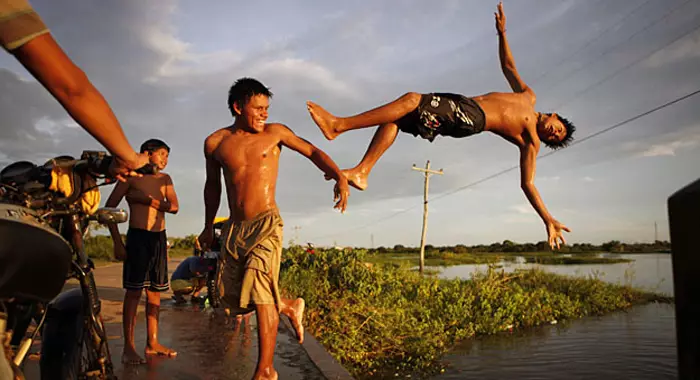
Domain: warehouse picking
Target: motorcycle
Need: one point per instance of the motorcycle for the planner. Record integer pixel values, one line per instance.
(41, 247)
(212, 258)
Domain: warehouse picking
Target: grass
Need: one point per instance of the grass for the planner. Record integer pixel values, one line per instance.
(383, 321)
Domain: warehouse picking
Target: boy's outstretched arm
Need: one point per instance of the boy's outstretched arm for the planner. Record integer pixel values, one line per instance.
(212, 193)
(320, 159)
(528, 157)
(506, 57)
(114, 199)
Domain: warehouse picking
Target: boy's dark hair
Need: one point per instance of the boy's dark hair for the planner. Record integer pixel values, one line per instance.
(243, 89)
(152, 145)
(570, 129)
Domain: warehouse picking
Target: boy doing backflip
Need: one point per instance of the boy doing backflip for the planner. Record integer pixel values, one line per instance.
(511, 116)
(145, 254)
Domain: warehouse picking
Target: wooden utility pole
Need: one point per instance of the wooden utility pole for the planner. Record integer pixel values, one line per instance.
(426, 172)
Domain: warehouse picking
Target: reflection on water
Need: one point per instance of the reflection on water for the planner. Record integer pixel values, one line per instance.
(637, 344)
(647, 271)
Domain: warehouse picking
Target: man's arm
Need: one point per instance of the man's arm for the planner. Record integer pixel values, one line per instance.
(320, 159)
(528, 158)
(506, 57)
(113, 201)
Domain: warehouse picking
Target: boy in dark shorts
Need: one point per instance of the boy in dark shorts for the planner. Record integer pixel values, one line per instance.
(145, 254)
(511, 116)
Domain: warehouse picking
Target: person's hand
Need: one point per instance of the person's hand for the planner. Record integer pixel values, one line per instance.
(121, 169)
(119, 252)
(206, 238)
(554, 233)
(341, 192)
(500, 19)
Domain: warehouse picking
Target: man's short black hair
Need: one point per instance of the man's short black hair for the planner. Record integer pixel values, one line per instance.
(568, 138)
(152, 145)
(243, 90)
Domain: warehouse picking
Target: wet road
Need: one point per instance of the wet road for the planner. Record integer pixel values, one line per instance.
(209, 346)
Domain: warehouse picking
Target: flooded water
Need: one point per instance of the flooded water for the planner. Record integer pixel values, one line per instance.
(637, 344)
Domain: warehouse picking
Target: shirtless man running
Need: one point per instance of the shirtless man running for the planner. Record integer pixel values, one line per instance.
(248, 154)
(509, 115)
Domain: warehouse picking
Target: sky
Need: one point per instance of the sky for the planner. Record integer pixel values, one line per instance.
(165, 68)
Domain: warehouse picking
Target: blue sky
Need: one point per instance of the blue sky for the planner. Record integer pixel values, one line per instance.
(165, 68)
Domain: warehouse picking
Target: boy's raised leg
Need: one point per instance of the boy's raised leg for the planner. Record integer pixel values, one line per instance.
(131, 303)
(153, 347)
(332, 126)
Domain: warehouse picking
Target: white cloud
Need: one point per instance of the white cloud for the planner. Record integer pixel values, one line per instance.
(523, 208)
(684, 49)
(668, 149)
(588, 179)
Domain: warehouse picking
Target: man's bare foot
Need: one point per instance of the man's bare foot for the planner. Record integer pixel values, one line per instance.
(297, 318)
(327, 122)
(356, 178)
(160, 350)
(130, 357)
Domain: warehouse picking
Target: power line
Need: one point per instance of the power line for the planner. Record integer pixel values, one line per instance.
(472, 184)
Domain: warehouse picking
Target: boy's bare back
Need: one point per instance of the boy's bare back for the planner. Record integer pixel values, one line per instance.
(250, 163)
(144, 216)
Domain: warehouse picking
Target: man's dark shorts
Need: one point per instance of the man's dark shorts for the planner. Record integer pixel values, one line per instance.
(444, 114)
(146, 265)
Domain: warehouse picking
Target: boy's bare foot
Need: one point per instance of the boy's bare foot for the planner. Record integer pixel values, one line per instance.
(356, 178)
(327, 122)
(160, 350)
(271, 376)
(130, 357)
(297, 318)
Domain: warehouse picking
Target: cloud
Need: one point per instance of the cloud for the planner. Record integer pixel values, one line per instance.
(588, 179)
(685, 49)
(669, 149)
(668, 144)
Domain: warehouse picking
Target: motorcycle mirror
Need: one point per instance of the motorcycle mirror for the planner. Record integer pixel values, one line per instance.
(110, 215)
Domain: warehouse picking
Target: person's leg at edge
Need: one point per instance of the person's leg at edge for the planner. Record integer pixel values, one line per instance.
(131, 303)
(268, 319)
(332, 126)
(153, 347)
(294, 309)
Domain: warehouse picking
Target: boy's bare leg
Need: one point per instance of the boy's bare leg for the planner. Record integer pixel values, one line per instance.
(268, 320)
(332, 126)
(382, 140)
(131, 304)
(295, 311)
(152, 312)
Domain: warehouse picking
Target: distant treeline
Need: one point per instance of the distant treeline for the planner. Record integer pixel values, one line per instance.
(613, 246)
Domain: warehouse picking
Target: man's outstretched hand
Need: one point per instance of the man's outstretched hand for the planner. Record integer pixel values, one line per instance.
(121, 169)
(554, 233)
(500, 19)
(341, 192)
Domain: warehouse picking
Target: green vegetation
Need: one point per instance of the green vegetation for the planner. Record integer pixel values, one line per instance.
(382, 321)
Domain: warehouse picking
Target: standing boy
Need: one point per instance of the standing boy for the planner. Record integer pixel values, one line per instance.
(247, 153)
(145, 254)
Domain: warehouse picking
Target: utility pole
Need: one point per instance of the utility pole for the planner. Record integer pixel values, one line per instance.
(426, 172)
(372, 239)
(656, 233)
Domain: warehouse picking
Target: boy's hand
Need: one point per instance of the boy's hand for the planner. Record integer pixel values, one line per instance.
(206, 238)
(341, 192)
(119, 252)
(500, 19)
